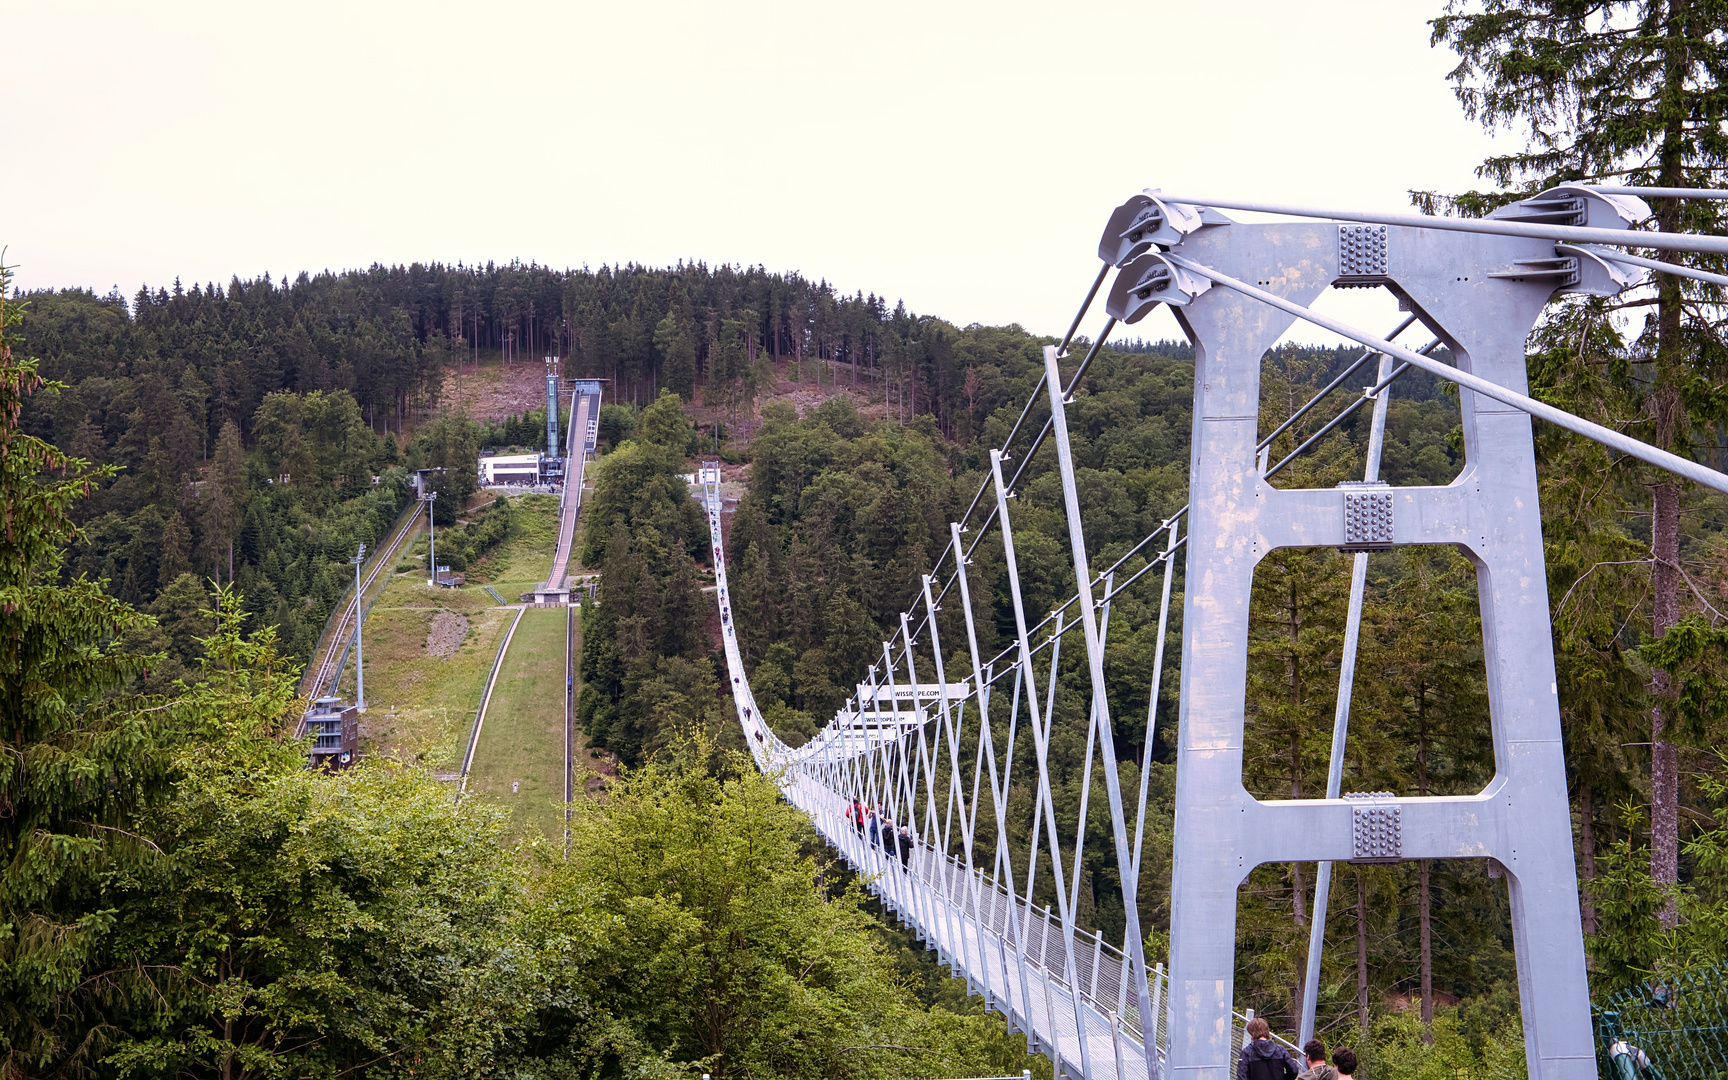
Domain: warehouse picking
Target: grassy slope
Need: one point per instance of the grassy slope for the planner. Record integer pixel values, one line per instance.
(523, 740)
(345, 678)
(524, 560)
(421, 705)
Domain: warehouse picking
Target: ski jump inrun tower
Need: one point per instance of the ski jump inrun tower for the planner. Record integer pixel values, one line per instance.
(1478, 287)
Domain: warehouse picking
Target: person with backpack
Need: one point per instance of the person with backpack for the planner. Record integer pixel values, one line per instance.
(1315, 1052)
(1263, 1059)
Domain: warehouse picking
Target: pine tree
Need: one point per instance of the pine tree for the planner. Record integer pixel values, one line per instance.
(176, 548)
(81, 756)
(224, 494)
(677, 347)
(1629, 91)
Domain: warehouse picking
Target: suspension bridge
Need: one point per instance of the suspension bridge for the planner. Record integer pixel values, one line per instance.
(912, 775)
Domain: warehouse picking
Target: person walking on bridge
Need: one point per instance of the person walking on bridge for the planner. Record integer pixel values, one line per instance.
(1345, 1059)
(1263, 1059)
(1315, 1052)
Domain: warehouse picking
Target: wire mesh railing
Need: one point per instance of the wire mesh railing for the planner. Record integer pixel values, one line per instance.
(1667, 1028)
(1101, 969)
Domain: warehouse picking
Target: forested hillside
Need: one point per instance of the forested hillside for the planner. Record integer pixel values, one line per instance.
(210, 907)
(257, 428)
(844, 509)
(842, 513)
(254, 436)
(836, 503)
(386, 334)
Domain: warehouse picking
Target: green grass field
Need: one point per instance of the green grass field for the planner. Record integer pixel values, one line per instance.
(520, 758)
(421, 705)
(524, 559)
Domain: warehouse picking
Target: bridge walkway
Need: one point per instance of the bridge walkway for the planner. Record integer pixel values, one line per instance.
(1011, 952)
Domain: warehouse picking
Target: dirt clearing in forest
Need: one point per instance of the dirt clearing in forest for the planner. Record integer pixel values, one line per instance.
(445, 636)
(493, 392)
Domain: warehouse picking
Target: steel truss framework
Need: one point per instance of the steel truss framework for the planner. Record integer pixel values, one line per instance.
(898, 779)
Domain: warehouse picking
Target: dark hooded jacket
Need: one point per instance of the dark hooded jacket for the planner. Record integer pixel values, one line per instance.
(1264, 1059)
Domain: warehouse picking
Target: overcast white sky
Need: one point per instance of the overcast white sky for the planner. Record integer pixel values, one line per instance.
(960, 156)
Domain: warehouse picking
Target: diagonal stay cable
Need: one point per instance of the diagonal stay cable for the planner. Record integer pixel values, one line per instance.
(1659, 192)
(1031, 450)
(1073, 383)
(1368, 395)
(1313, 402)
(1348, 411)
(1577, 234)
(1294, 418)
(1032, 398)
(1560, 418)
(1648, 264)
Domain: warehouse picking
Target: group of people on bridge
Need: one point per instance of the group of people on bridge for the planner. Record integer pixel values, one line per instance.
(877, 828)
(1264, 1059)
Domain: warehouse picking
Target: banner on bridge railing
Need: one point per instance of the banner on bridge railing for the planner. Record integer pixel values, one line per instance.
(922, 692)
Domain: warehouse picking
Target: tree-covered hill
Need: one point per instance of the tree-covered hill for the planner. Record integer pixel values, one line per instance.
(254, 428)
(245, 429)
(181, 897)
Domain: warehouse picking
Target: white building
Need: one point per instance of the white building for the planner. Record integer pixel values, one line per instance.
(510, 469)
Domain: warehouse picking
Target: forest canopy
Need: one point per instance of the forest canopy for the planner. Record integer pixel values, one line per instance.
(184, 474)
(209, 906)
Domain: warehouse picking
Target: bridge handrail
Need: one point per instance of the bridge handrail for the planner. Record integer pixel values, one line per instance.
(1102, 969)
(1107, 995)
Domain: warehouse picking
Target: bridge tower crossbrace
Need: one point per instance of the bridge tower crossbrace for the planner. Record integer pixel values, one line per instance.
(1491, 513)
(885, 781)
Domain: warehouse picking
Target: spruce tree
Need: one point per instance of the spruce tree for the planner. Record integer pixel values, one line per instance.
(81, 756)
(224, 496)
(677, 347)
(1626, 92)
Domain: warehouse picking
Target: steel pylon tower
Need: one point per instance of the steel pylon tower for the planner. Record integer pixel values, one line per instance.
(898, 779)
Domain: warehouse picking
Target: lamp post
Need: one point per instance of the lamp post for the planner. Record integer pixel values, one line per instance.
(359, 653)
(432, 533)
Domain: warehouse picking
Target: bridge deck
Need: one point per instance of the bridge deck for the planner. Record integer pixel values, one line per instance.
(965, 918)
(1013, 953)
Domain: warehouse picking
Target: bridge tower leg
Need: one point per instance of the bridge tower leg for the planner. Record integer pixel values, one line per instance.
(1467, 289)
